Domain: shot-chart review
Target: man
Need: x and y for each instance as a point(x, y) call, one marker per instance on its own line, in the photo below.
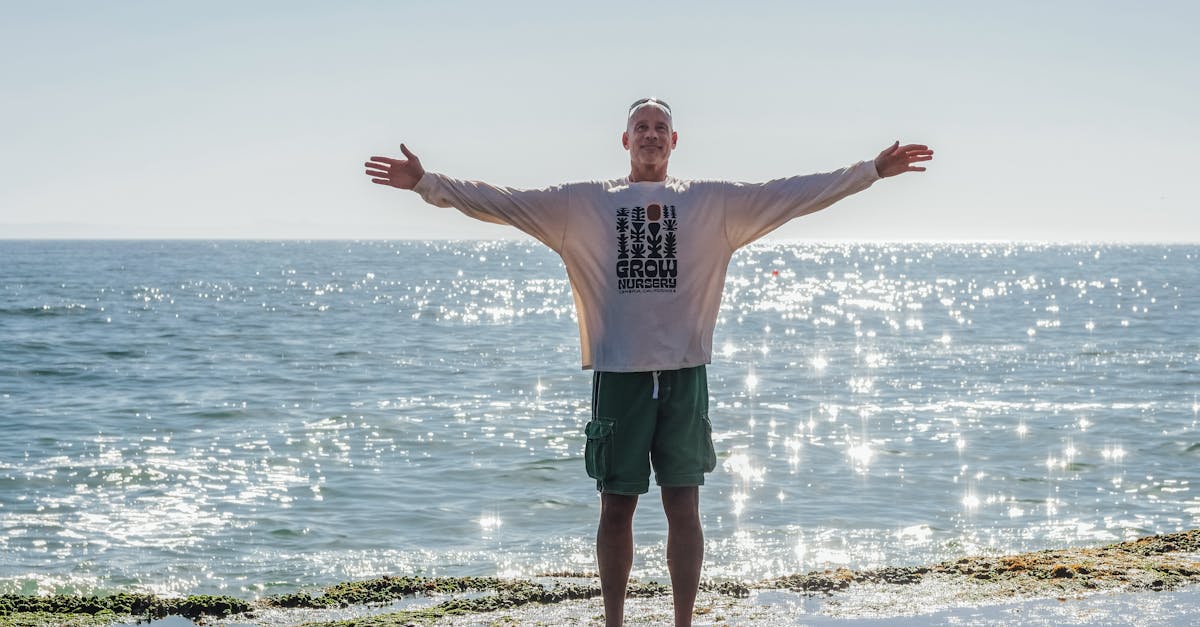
point(646, 256)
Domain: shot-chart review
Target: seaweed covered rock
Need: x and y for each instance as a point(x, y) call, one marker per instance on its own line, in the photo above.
point(124, 604)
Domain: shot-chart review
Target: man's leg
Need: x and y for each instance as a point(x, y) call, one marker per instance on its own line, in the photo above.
point(685, 548)
point(614, 553)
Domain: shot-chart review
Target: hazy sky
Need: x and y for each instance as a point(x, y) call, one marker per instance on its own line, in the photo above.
point(1051, 120)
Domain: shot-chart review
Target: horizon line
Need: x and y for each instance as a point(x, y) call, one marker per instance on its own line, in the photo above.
point(766, 240)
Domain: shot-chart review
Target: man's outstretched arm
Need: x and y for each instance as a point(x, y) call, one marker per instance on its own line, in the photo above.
point(541, 213)
point(755, 209)
point(897, 159)
point(401, 173)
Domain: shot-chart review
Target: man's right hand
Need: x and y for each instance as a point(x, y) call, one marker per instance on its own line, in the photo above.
point(401, 173)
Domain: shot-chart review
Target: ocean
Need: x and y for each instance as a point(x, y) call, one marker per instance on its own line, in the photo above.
point(258, 417)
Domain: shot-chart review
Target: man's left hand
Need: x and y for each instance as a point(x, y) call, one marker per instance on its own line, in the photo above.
point(897, 159)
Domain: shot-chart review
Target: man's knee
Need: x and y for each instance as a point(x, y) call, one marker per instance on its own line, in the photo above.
point(681, 504)
point(617, 509)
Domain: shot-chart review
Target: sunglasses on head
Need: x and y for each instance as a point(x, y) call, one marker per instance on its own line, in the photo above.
point(641, 101)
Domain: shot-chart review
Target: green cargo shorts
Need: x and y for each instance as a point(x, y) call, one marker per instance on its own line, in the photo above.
point(644, 418)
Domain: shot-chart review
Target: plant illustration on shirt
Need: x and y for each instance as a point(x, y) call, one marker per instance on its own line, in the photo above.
point(653, 215)
point(622, 233)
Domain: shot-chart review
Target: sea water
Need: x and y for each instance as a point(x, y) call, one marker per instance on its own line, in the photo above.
point(252, 418)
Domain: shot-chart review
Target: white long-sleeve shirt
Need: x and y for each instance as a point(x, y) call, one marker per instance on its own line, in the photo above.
point(647, 260)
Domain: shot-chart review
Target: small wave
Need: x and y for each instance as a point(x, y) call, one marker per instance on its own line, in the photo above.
point(44, 311)
point(123, 354)
point(55, 372)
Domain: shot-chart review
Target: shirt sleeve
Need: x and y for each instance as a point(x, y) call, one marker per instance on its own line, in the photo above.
point(541, 213)
point(754, 209)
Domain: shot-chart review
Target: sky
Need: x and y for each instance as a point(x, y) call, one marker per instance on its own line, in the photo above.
point(1051, 121)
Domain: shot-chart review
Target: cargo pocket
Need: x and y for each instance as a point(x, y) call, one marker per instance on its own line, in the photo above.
point(597, 453)
point(710, 459)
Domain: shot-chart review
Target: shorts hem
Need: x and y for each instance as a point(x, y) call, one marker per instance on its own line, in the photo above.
point(625, 489)
point(680, 481)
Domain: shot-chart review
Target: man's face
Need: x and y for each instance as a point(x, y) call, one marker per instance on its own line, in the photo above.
point(649, 137)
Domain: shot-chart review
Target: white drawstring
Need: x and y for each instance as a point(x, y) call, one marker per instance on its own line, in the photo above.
point(654, 394)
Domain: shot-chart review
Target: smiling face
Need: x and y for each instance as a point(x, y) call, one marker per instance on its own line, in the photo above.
point(649, 137)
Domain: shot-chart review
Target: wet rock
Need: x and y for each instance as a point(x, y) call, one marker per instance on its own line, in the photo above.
point(825, 581)
point(896, 575)
point(1183, 541)
point(191, 607)
point(1059, 571)
point(728, 588)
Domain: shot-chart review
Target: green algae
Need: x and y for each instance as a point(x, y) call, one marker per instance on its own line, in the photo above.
point(124, 604)
point(383, 590)
point(49, 619)
point(74, 610)
point(507, 594)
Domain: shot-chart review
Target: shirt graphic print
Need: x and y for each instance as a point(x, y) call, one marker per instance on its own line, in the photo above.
point(646, 249)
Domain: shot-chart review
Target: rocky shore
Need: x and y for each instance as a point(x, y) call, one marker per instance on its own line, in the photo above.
point(1152, 564)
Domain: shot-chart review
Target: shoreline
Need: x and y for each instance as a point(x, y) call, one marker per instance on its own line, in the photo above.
point(1164, 564)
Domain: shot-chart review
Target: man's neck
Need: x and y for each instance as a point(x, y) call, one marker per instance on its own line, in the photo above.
point(639, 173)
